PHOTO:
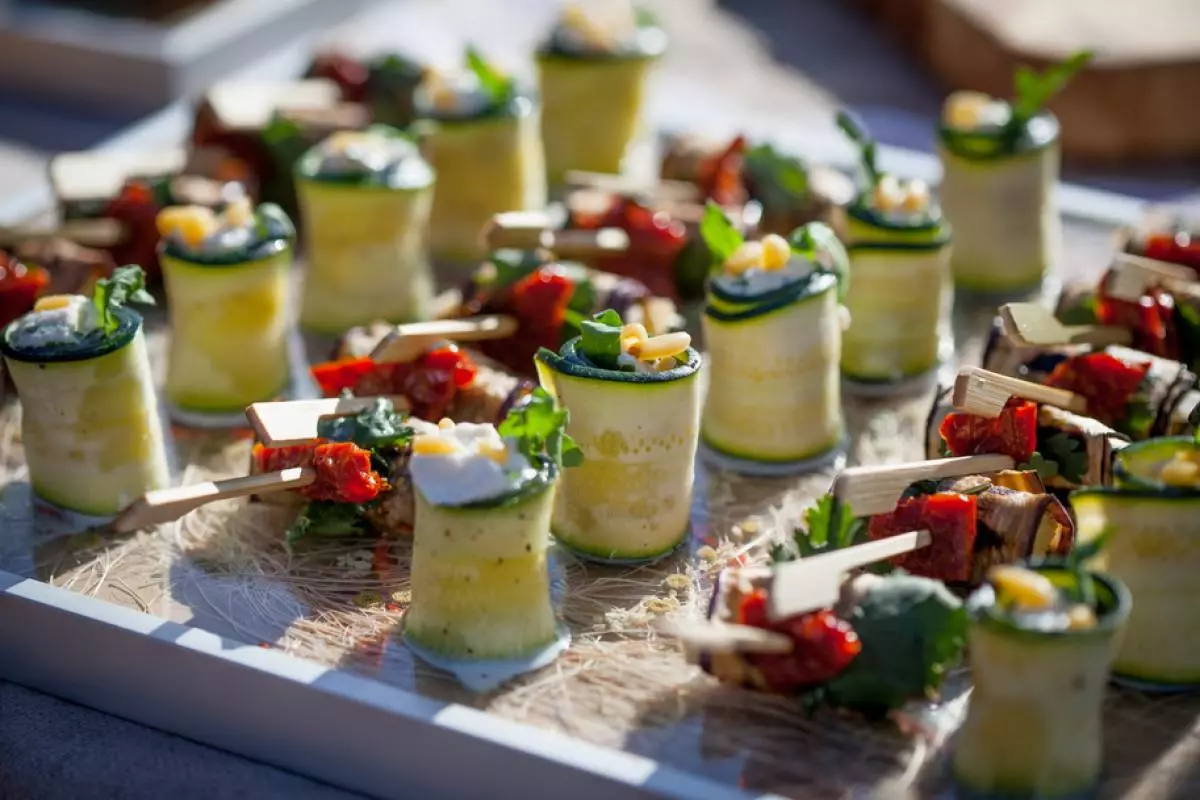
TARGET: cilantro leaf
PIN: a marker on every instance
(327, 518)
(379, 427)
(539, 427)
(827, 525)
(498, 87)
(780, 181)
(600, 338)
(867, 155)
(127, 285)
(1033, 91)
(721, 236)
(912, 630)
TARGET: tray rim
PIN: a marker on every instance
(331, 724)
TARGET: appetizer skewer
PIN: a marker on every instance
(1000, 163)
(227, 278)
(532, 230)
(90, 425)
(634, 401)
(773, 327)
(899, 247)
(365, 199)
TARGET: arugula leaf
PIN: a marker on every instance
(867, 155)
(780, 181)
(539, 427)
(721, 236)
(600, 339)
(498, 87)
(379, 427)
(127, 285)
(327, 518)
(1033, 91)
(912, 630)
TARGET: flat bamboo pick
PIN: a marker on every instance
(407, 342)
(1134, 274)
(98, 233)
(725, 637)
(531, 231)
(1032, 325)
(294, 422)
(166, 505)
(984, 393)
(876, 490)
(621, 184)
(816, 582)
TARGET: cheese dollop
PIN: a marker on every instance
(902, 201)
(970, 111)
(55, 319)
(457, 463)
(201, 230)
(452, 93)
(362, 152)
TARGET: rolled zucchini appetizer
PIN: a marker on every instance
(1152, 521)
(1000, 165)
(365, 200)
(899, 248)
(773, 327)
(227, 278)
(484, 145)
(484, 499)
(1041, 641)
(93, 438)
(634, 402)
(591, 73)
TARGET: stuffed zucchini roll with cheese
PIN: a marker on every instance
(365, 199)
(1151, 521)
(899, 248)
(773, 327)
(93, 438)
(1041, 641)
(227, 278)
(634, 401)
(592, 72)
(1000, 164)
(484, 145)
(484, 499)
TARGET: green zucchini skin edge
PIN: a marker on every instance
(281, 236)
(900, 247)
(415, 170)
(537, 485)
(519, 105)
(569, 361)
(996, 145)
(752, 306)
(859, 212)
(92, 346)
(1112, 594)
(1139, 486)
(651, 44)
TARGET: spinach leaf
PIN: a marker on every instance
(379, 427)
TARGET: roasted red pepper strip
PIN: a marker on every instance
(20, 287)
(1150, 319)
(344, 472)
(336, 376)
(824, 645)
(1175, 247)
(1013, 433)
(720, 177)
(1106, 382)
(950, 519)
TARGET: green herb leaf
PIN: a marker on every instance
(867, 155)
(912, 631)
(780, 181)
(828, 525)
(719, 233)
(1033, 91)
(539, 427)
(600, 339)
(379, 427)
(127, 285)
(817, 242)
(1045, 469)
(920, 489)
(326, 518)
(583, 296)
(1068, 453)
(1139, 418)
(498, 87)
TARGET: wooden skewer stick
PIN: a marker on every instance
(407, 342)
(875, 490)
(166, 505)
(984, 393)
(530, 231)
(816, 582)
(682, 191)
(98, 233)
(1134, 274)
(725, 637)
(294, 422)
(1032, 325)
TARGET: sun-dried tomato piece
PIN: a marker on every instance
(270, 459)
(136, 206)
(1106, 382)
(335, 376)
(348, 73)
(823, 645)
(655, 242)
(539, 302)
(720, 177)
(951, 521)
(1151, 319)
(1013, 433)
(20, 287)
(344, 474)
(1175, 247)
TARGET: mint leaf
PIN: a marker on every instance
(539, 427)
(379, 427)
(498, 87)
(912, 631)
(127, 285)
(600, 339)
(721, 236)
(1033, 91)
(857, 133)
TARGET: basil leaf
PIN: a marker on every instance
(127, 285)
(721, 236)
(857, 133)
(600, 339)
(1033, 91)
(376, 428)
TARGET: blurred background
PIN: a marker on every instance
(77, 75)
